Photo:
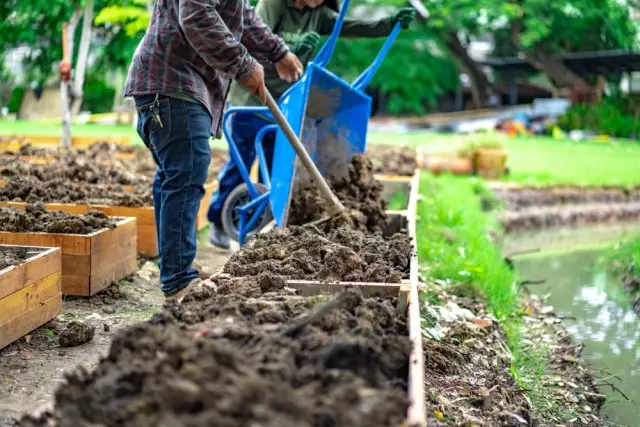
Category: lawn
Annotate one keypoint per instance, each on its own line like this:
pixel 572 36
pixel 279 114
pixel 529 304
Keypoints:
pixel 532 160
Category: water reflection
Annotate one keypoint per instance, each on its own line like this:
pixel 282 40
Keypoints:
pixel 578 287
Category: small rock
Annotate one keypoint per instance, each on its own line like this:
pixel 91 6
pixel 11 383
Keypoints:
pixel 76 334
pixel 108 310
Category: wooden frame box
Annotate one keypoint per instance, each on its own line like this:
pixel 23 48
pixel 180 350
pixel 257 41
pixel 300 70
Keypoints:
pixel 30 293
pixel 89 262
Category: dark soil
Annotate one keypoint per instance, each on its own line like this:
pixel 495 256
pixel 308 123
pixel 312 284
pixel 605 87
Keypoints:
pixel 36 218
pixel 569 215
pixel 10 257
pixel 59 190
pixel 76 334
pixel 308 253
pixel 359 191
pixel 389 160
pixel 220 359
pixel 518 199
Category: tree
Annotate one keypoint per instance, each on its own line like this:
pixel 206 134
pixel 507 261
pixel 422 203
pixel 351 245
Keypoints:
pixel 540 29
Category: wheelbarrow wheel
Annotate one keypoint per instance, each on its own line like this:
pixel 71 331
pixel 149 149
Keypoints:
pixel 231 217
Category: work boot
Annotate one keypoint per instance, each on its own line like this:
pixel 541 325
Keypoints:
pixel 203 272
pixel 178 296
pixel 218 237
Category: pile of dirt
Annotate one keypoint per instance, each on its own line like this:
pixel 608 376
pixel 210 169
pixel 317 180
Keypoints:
pixel 36 218
pixel 342 254
pixel 522 198
pixel 59 190
pixel 359 191
pixel 236 367
pixel 555 216
pixel 10 257
pixel 390 160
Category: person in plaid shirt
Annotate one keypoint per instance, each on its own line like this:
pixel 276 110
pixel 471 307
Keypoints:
pixel 179 77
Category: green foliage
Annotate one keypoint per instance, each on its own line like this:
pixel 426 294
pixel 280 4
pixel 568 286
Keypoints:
pixel 16 99
pixel 615 117
pixel 413 75
pixel 132 15
pixel 624 257
pixel 454 243
pixel 98 95
pixel 489 140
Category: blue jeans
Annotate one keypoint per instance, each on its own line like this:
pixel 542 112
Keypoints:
pixel 244 128
pixel 180 149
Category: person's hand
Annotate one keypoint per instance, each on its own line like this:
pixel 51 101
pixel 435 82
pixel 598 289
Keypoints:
pixel 289 68
pixel 404 16
pixel 255 83
pixel 307 43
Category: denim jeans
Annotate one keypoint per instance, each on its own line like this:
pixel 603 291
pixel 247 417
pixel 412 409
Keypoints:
pixel 244 129
pixel 180 149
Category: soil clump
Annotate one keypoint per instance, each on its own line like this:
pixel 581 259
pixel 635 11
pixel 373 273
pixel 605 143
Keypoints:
pixel 59 190
pixel 36 218
pixel 76 334
pixel 358 191
pixel 340 255
pixel 10 257
pixel 231 365
pixel 389 160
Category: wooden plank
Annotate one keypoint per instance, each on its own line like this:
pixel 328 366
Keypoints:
pixel 416 413
pixel 71 244
pixel 111 273
pixel 29 297
pixel 77 265
pixel 403 298
pixel 147 240
pixel 314 287
pixel 14 278
pixel 124 231
pixel 76 285
pixel 143 215
pixel 30 320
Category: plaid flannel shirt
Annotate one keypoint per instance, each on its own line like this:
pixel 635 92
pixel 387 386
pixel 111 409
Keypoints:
pixel 196 47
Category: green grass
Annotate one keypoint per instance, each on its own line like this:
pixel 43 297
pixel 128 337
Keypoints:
pixel 624 257
pixel 398 201
pixel 454 245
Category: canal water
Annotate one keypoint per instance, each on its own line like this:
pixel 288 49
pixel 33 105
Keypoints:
pixel 600 315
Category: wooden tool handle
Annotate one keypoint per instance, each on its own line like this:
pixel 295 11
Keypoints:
pixel 308 164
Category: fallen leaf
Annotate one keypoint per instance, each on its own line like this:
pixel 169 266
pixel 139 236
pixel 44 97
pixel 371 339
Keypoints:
pixel 482 323
pixel 439 415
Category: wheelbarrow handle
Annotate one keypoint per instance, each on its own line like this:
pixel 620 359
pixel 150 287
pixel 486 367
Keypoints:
pixel 325 191
pixel 367 75
pixel 324 55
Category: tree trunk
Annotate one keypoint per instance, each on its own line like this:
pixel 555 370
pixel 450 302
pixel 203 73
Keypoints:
pixel 554 68
pixel 68 33
pixel 83 54
pixel 481 87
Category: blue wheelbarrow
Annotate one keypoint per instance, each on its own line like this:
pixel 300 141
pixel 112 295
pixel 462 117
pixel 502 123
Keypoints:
pixel 327 115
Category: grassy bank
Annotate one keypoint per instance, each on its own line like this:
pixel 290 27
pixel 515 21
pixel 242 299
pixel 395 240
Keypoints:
pixel 624 258
pixel 454 245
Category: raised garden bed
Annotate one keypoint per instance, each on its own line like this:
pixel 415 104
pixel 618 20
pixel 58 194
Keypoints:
pixel 92 257
pixel 30 289
pixel 147 244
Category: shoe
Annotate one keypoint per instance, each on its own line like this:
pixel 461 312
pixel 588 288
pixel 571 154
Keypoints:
pixel 203 272
pixel 218 237
pixel 178 296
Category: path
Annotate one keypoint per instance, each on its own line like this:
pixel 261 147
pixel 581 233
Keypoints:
pixel 33 367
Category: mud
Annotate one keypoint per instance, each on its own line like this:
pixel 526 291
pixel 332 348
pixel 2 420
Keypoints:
pixel 519 199
pixel 235 367
pixel 35 218
pixel 76 334
pixel 59 190
pixel 569 215
pixel 360 191
pixel 10 257
pixel 340 255
pixel 390 160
